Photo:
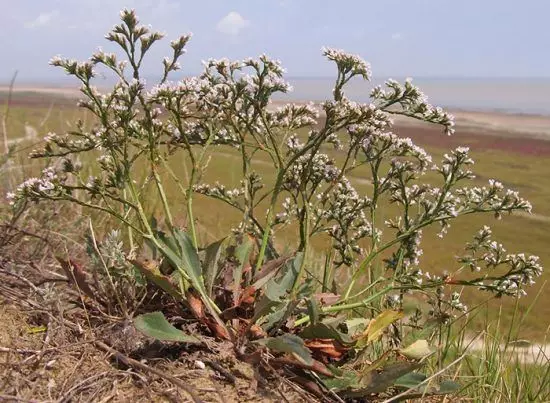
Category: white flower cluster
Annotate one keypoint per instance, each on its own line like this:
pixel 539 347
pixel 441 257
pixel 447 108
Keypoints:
pixel 455 302
pixel 347 112
pixel 310 171
pixel 289 213
pixel 196 133
pixel 49 185
pixel 486 254
pixel 451 166
pixel 219 191
pixel 294 144
pixel 389 145
pixel 343 211
pixel 293 116
pixel 493 198
pixel 348 63
pixel 413 103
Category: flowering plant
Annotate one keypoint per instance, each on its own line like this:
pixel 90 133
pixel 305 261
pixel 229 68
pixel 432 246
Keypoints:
pixel 241 287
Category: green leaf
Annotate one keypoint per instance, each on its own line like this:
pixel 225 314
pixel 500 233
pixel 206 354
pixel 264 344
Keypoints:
pixel 169 250
pixel 274 290
pixel 155 325
pixel 324 331
pixel 377 382
pixel 211 260
pixel 272 308
pixel 270 317
pixel 447 387
pixel 428 327
pixel 418 350
pixel 152 273
pixel 410 380
pixel 313 310
pixel 413 382
pixel 169 247
pixel 377 326
pixel 291 274
pixel 347 380
pixel 351 383
pixel 356 325
pixel 190 260
pixel 289 343
pixel 268 271
pixel 242 253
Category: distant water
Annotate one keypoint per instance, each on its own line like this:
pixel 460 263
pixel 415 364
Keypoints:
pixel 525 96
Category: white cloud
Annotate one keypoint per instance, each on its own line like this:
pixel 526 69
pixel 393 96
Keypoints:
pixel 42 20
pixel 396 36
pixel 232 24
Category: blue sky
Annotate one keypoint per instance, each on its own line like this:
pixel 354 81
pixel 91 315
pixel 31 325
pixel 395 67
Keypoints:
pixel 419 38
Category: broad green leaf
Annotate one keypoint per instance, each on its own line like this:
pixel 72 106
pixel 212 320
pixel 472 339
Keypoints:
pixel 268 271
pixel 324 331
pixel 354 384
pixel 242 253
pixel 211 260
pixel 288 274
pixel 410 380
pixel 447 387
pixel 356 325
pixel 347 380
pixel 190 260
pixel 289 343
pixel 313 310
pixel 155 325
pixel 152 273
pixel 377 326
pixel 274 290
pixel 169 252
pixel 272 305
pixel 418 350
pixel 169 247
pixel 377 382
pixel 273 315
pixel 413 382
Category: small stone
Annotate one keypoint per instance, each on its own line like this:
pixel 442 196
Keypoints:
pixel 199 364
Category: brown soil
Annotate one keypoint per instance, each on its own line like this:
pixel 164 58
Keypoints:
pixel 51 363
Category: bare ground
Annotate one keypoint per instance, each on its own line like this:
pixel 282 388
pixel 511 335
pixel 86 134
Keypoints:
pixel 44 359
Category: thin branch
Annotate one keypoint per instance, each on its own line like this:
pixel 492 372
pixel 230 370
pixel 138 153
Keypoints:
pixel 143 367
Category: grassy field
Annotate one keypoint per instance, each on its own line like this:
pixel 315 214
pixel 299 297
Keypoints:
pixel 521 164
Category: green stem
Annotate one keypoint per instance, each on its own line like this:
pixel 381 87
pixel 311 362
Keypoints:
pixel 164 201
pixel 345 307
pixel 269 219
pixel 305 247
pixel 400 238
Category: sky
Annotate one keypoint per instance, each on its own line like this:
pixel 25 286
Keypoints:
pixel 418 38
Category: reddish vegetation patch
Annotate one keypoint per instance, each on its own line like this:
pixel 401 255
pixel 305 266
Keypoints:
pixel 476 139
